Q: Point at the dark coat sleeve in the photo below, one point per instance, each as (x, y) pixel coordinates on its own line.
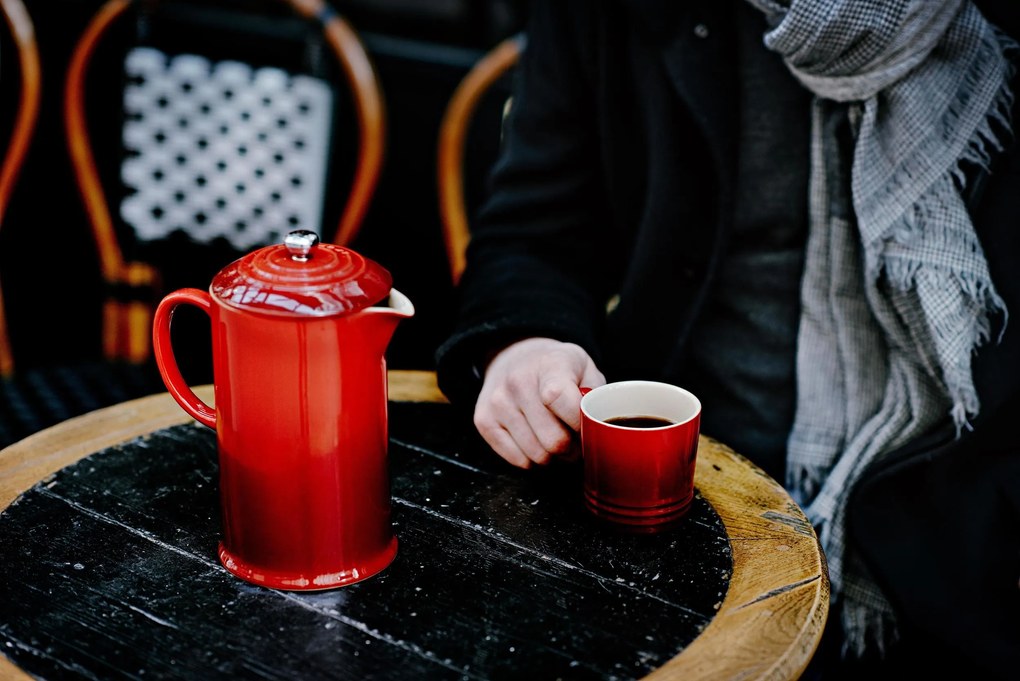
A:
(536, 259)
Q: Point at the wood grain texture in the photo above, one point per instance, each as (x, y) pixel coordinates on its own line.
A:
(771, 620)
(768, 623)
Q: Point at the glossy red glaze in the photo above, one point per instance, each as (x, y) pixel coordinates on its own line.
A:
(301, 426)
(641, 479)
(333, 281)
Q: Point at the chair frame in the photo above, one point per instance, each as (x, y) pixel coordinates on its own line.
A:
(452, 138)
(127, 326)
(20, 25)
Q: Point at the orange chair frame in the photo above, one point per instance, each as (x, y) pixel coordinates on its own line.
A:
(452, 137)
(21, 28)
(127, 326)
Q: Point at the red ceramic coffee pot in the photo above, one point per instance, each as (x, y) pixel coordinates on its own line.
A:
(299, 334)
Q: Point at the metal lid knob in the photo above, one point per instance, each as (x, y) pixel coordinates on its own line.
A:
(300, 243)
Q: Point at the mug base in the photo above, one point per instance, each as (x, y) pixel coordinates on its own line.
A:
(639, 520)
(290, 581)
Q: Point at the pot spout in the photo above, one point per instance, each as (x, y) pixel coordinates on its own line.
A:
(381, 321)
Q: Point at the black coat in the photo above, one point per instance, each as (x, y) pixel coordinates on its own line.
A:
(616, 184)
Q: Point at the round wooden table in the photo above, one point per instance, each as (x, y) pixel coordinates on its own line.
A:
(767, 626)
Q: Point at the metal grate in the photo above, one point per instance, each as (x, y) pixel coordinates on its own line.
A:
(221, 149)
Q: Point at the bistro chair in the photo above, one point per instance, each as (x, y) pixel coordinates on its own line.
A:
(33, 397)
(231, 124)
(454, 135)
(19, 24)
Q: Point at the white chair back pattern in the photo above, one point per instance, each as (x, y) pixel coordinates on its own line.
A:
(222, 149)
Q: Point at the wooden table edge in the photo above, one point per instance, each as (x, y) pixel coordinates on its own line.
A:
(778, 566)
(779, 573)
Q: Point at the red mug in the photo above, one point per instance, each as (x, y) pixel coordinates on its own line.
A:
(299, 332)
(639, 445)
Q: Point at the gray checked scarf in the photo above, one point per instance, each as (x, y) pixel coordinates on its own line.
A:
(896, 294)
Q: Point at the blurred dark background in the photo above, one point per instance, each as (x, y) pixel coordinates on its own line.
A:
(421, 50)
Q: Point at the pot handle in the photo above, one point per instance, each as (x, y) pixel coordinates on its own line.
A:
(167, 363)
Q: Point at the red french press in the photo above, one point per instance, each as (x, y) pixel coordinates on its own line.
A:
(299, 333)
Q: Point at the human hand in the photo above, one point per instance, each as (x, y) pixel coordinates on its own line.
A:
(529, 405)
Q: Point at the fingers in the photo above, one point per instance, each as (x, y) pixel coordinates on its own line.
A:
(528, 408)
(551, 434)
(518, 426)
(501, 441)
(563, 399)
(592, 377)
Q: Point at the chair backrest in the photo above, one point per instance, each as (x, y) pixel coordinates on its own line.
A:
(216, 149)
(453, 135)
(23, 33)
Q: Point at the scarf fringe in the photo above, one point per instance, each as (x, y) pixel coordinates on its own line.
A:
(804, 481)
(996, 52)
(980, 302)
(867, 629)
(986, 141)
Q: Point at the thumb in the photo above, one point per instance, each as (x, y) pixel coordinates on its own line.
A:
(592, 377)
(567, 405)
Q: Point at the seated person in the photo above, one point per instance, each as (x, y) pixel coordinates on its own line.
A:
(807, 213)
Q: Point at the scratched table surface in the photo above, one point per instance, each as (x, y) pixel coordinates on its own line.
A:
(109, 568)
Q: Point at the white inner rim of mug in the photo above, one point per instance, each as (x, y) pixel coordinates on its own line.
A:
(641, 398)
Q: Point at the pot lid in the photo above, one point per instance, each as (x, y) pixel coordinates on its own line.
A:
(302, 277)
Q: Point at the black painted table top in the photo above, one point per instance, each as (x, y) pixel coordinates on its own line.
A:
(109, 571)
